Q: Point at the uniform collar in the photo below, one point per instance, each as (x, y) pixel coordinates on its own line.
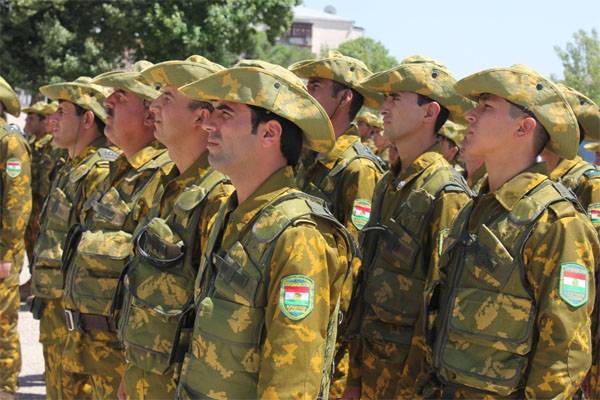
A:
(278, 183)
(90, 148)
(420, 164)
(513, 190)
(563, 168)
(195, 172)
(477, 175)
(145, 155)
(342, 143)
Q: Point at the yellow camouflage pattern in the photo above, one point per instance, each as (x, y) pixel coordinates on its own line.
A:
(273, 88)
(82, 91)
(129, 81)
(412, 213)
(586, 111)
(226, 359)
(504, 289)
(179, 73)
(9, 98)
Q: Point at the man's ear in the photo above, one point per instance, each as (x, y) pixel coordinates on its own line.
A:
(200, 117)
(527, 126)
(270, 133)
(88, 119)
(432, 110)
(346, 98)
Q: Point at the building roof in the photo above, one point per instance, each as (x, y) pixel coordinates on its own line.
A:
(302, 13)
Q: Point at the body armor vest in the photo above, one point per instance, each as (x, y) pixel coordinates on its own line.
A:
(157, 317)
(232, 285)
(572, 179)
(487, 313)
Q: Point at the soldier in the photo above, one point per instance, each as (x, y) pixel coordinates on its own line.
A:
(474, 169)
(594, 147)
(79, 129)
(364, 121)
(158, 311)
(268, 289)
(97, 249)
(583, 179)
(414, 206)
(15, 208)
(514, 309)
(45, 159)
(346, 176)
(450, 137)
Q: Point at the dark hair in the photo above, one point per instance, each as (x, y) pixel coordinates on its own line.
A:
(79, 111)
(442, 116)
(291, 135)
(196, 104)
(581, 133)
(357, 98)
(541, 136)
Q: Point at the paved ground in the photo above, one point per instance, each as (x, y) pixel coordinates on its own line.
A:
(31, 380)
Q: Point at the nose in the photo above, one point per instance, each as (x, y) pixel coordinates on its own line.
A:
(155, 105)
(209, 123)
(110, 100)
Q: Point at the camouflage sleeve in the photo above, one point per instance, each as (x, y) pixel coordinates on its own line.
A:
(16, 195)
(588, 194)
(307, 263)
(91, 182)
(559, 258)
(216, 199)
(359, 181)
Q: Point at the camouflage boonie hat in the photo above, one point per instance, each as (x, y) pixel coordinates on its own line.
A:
(41, 108)
(81, 92)
(179, 73)
(337, 67)
(273, 88)
(586, 111)
(453, 131)
(423, 76)
(594, 147)
(369, 118)
(130, 81)
(525, 87)
(9, 98)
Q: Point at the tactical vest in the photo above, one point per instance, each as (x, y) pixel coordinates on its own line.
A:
(157, 317)
(96, 258)
(486, 329)
(231, 299)
(572, 179)
(328, 184)
(59, 214)
(396, 265)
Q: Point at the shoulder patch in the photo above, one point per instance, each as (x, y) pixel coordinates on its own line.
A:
(296, 296)
(361, 211)
(573, 284)
(592, 173)
(13, 167)
(594, 213)
(107, 154)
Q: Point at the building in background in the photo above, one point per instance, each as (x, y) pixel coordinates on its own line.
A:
(320, 30)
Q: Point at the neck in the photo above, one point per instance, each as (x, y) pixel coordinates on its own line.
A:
(501, 170)
(552, 160)
(340, 125)
(250, 179)
(412, 146)
(84, 139)
(185, 153)
(137, 142)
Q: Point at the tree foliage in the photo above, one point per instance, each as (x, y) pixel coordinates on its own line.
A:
(581, 63)
(281, 54)
(371, 52)
(45, 41)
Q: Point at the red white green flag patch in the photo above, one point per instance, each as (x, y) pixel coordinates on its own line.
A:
(13, 167)
(296, 296)
(361, 211)
(574, 282)
(594, 213)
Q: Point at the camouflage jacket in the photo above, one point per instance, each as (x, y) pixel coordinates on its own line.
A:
(515, 307)
(75, 181)
(267, 296)
(44, 160)
(412, 214)
(478, 178)
(160, 278)
(15, 200)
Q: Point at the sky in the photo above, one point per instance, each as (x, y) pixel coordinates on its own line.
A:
(467, 35)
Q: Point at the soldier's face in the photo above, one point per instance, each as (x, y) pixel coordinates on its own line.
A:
(491, 127)
(67, 124)
(322, 90)
(34, 124)
(401, 114)
(232, 147)
(172, 115)
(127, 116)
(364, 130)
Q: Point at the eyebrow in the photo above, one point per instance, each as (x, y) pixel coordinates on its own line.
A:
(224, 107)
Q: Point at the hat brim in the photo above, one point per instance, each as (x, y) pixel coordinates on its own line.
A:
(127, 81)
(88, 96)
(177, 73)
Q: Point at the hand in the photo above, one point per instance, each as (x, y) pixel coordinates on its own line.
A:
(121, 394)
(351, 393)
(5, 267)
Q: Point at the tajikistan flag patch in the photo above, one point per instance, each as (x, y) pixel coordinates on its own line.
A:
(13, 167)
(574, 284)
(296, 296)
(594, 213)
(361, 211)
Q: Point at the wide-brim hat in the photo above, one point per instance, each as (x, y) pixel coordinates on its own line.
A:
(586, 111)
(130, 81)
(81, 92)
(41, 108)
(9, 98)
(179, 72)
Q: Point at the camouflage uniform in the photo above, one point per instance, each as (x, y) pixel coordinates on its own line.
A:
(477, 179)
(157, 316)
(412, 213)
(268, 289)
(15, 208)
(514, 312)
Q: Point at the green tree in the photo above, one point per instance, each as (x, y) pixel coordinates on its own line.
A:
(281, 54)
(371, 52)
(45, 41)
(581, 63)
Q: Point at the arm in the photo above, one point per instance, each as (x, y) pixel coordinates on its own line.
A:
(292, 357)
(562, 356)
